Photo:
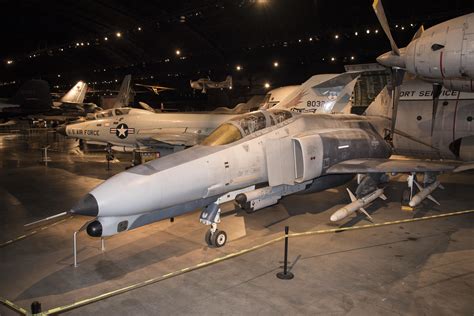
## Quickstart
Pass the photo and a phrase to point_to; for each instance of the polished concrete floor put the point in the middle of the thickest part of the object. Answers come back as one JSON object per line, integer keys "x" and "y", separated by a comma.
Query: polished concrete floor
{"x": 420, "y": 268}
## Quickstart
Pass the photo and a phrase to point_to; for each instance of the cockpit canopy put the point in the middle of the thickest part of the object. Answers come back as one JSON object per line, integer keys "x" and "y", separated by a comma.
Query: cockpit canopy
{"x": 117, "y": 112}
{"x": 244, "y": 125}
{"x": 111, "y": 112}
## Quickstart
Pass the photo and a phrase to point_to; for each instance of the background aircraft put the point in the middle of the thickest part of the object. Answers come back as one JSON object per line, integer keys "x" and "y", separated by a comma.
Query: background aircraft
{"x": 205, "y": 83}
{"x": 126, "y": 129}
{"x": 33, "y": 97}
{"x": 442, "y": 55}
{"x": 154, "y": 88}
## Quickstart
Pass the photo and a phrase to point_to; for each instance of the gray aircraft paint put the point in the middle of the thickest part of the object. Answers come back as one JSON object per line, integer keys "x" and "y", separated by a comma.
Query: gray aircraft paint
{"x": 184, "y": 179}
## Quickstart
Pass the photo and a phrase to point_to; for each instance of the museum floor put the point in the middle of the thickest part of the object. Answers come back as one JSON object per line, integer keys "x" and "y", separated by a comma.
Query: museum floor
{"x": 418, "y": 268}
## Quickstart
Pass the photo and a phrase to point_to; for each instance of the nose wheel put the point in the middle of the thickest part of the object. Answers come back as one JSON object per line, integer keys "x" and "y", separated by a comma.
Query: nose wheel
{"x": 215, "y": 238}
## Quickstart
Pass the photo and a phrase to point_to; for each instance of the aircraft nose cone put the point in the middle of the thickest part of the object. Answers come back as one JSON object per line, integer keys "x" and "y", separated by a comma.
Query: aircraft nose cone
{"x": 61, "y": 130}
{"x": 86, "y": 206}
{"x": 388, "y": 59}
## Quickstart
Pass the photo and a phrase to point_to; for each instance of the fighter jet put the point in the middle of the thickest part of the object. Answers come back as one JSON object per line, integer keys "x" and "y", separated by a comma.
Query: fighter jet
{"x": 70, "y": 107}
{"x": 442, "y": 55}
{"x": 255, "y": 159}
{"x": 126, "y": 129}
{"x": 74, "y": 99}
{"x": 206, "y": 83}
{"x": 33, "y": 101}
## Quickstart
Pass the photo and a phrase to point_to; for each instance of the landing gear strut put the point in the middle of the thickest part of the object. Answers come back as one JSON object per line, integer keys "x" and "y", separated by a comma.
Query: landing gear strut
{"x": 211, "y": 215}
{"x": 109, "y": 156}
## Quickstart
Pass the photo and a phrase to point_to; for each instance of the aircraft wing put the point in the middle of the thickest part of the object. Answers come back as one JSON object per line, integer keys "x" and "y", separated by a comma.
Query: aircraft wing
{"x": 178, "y": 139}
{"x": 378, "y": 165}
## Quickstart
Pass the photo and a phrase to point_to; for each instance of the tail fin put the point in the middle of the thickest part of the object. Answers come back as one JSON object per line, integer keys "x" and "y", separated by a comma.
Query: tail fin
{"x": 33, "y": 94}
{"x": 228, "y": 80}
{"x": 321, "y": 93}
{"x": 77, "y": 94}
{"x": 123, "y": 96}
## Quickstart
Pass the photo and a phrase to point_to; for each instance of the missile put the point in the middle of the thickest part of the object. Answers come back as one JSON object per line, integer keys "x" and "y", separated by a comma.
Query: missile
{"x": 357, "y": 204}
{"x": 424, "y": 193}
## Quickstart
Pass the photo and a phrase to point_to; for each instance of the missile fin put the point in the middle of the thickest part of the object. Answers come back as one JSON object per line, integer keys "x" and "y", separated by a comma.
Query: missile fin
{"x": 351, "y": 195}
{"x": 433, "y": 199}
{"x": 441, "y": 186}
{"x": 366, "y": 214}
{"x": 417, "y": 185}
{"x": 383, "y": 196}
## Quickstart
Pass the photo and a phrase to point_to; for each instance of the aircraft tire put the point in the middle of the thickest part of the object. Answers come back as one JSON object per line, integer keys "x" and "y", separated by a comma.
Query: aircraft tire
{"x": 207, "y": 238}
{"x": 219, "y": 238}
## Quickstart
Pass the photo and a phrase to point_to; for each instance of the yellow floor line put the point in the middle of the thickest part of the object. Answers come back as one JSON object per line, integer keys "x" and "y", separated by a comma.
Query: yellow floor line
{"x": 31, "y": 233}
{"x": 201, "y": 265}
{"x": 13, "y": 306}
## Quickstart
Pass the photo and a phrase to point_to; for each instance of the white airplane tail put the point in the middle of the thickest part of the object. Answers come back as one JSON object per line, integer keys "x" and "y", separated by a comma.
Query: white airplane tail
{"x": 327, "y": 93}
{"x": 77, "y": 94}
{"x": 123, "y": 96}
{"x": 228, "y": 81}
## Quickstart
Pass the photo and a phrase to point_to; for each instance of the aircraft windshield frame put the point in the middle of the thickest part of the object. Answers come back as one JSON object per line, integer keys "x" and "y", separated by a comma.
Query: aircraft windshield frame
{"x": 244, "y": 125}
{"x": 104, "y": 114}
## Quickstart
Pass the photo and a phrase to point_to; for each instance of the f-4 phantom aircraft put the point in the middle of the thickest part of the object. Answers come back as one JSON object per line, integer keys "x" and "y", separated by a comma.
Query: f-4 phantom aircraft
{"x": 206, "y": 83}
{"x": 255, "y": 159}
{"x": 126, "y": 129}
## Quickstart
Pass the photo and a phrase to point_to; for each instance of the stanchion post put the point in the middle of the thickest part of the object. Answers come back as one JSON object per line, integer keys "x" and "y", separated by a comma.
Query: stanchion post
{"x": 102, "y": 244}
{"x": 75, "y": 249}
{"x": 285, "y": 275}
{"x": 35, "y": 308}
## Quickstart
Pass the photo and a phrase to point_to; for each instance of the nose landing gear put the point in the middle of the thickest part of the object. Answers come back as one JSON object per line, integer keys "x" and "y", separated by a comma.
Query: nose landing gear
{"x": 214, "y": 237}
{"x": 211, "y": 215}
